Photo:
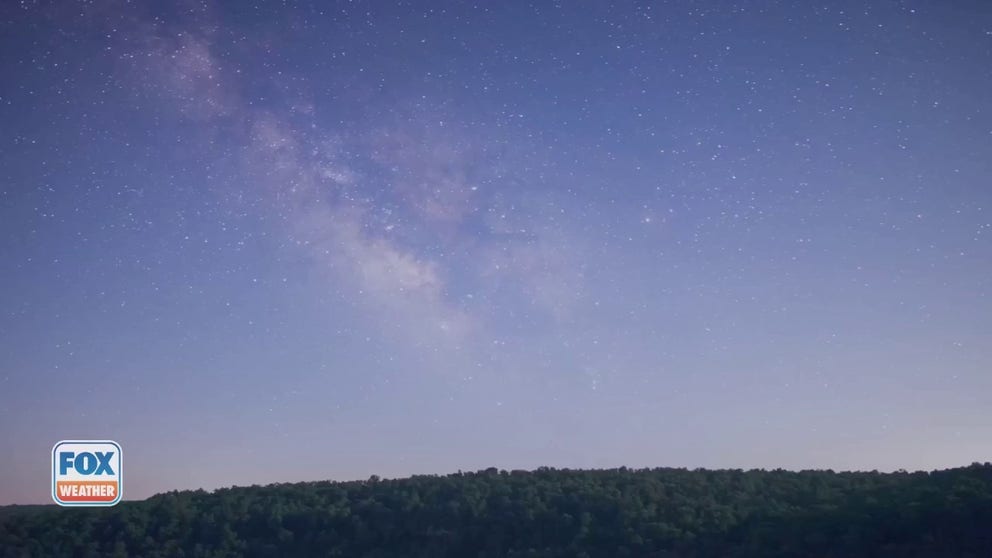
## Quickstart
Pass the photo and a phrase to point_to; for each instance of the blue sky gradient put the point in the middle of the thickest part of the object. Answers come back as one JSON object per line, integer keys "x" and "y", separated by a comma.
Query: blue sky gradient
{"x": 260, "y": 243}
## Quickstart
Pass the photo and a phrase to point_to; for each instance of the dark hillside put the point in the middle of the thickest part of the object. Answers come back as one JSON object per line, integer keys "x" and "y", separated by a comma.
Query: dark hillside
{"x": 548, "y": 512}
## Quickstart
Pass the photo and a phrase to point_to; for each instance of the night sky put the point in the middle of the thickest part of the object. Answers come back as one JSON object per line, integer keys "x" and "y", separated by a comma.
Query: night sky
{"x": 258, "y": 243}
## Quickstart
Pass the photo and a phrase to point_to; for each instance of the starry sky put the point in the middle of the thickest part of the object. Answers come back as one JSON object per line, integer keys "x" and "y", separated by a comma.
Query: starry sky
{"x": 261, "y": 242}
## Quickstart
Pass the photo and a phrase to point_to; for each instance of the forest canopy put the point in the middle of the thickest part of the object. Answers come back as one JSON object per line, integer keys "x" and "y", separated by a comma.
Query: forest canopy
{"x": 542, "y": 513}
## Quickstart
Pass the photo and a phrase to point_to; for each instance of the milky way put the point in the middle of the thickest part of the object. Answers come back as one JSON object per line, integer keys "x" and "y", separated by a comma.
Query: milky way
{"x": 261, "y": 243}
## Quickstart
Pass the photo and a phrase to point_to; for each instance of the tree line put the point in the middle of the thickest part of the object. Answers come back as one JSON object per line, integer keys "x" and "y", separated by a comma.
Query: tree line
{"x": 543, "y": 513}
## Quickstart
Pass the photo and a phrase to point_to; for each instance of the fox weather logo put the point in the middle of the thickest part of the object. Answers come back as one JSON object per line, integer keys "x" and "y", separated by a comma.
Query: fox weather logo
{"x": 87, "y": 473}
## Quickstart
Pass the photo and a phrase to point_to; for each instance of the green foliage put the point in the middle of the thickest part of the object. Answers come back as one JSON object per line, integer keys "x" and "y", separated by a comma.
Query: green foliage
{"x": 545, "y": 513}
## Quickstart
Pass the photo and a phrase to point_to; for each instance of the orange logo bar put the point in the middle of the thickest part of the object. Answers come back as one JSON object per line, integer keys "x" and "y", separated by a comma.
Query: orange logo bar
{"x": 86, "y": 491}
